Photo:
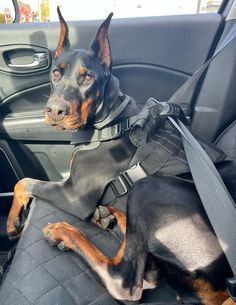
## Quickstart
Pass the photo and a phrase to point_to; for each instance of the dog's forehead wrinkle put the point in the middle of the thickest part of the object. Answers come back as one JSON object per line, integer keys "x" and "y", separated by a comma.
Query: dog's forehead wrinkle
{"x": 87, "y": 60}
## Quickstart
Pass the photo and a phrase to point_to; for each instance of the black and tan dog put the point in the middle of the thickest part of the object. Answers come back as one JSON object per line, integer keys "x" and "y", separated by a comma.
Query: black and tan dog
{"x": 166, "y": 232}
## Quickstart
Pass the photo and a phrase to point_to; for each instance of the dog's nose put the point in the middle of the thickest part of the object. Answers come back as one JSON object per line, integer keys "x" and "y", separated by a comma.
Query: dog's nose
{"x": 57, "y": 111}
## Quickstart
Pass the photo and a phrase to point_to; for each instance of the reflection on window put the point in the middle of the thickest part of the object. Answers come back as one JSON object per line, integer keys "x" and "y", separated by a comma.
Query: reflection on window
{"x": 7, "y": 11}
{"x": 31, "y": 11}
{"x": 45, "y": 10}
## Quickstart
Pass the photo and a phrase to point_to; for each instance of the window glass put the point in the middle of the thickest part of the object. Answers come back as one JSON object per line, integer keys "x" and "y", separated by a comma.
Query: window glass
{"x": 45, "y": 10}
{"x": 7, "y": 11}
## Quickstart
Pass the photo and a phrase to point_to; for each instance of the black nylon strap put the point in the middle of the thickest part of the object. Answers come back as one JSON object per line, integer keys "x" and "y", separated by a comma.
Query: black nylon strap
{"x": 96, "y": 135}
{"x": 114, "y": 114}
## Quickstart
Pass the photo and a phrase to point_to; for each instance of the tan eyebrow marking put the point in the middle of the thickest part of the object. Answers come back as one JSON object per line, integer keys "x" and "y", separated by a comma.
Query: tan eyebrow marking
{"x": 62, "y": 65}
{"x": 82, "y": 70}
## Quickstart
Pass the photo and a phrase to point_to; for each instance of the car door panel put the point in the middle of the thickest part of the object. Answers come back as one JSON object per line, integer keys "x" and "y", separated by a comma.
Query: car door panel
{"x": 152, "y": 56}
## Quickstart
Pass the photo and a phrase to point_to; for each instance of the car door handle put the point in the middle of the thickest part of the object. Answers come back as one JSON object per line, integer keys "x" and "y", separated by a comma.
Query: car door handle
{"x": 40, "y": 60}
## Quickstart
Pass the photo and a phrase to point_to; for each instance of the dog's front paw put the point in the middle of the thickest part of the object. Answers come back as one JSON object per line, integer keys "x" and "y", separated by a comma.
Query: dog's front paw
{"x": 61, "y": 234}
{"x": 103, "y": 217}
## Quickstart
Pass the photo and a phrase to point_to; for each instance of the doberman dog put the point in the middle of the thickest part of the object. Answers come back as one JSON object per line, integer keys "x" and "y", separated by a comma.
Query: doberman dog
{"x": 166, "y": 232}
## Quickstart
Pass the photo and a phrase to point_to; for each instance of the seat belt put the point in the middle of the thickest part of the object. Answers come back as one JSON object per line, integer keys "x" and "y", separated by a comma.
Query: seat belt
{"x": 182, "y": 96}
{"x": 217, "y": 201}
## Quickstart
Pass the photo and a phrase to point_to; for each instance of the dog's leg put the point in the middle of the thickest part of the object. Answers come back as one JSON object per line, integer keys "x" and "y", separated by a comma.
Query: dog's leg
{"x": 208, "y": 295}
{"x": 229, "y": 301}
{"x": 57, "y": 193}
{"x": 122, "y": 275}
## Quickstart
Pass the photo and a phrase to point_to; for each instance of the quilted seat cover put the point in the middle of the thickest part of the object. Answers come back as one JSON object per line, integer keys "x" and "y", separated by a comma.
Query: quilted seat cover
{"x": 44, "y": 275}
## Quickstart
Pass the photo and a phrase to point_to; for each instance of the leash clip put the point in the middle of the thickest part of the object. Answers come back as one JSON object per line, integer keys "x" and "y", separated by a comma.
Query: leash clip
{"x": 231, "y": 287}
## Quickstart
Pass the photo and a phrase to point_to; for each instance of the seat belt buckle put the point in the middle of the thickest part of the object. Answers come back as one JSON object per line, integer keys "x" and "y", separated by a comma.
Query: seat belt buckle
{"x": 231, "y": 287}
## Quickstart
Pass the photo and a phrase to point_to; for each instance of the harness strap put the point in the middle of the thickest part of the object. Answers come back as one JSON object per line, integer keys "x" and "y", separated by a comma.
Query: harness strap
{"x": 95, "y": 135}
{"x": 115, "y": 131}
{"x": 99, "y": 132}
{"x": 148, "y": 166}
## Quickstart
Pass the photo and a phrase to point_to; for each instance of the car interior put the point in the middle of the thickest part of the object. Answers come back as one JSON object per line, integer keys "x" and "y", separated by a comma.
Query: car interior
{"x": 152, "y": 57}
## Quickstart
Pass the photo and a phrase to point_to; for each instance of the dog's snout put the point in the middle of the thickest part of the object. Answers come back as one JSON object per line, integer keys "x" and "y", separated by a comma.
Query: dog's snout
{"x": 57, "y": 111}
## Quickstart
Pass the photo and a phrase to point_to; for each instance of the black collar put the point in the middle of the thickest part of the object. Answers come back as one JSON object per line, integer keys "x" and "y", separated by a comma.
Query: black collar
{"x": 103, "y": 131}
{"x": 114, "y": 114}
{"x": 100, "y": 135}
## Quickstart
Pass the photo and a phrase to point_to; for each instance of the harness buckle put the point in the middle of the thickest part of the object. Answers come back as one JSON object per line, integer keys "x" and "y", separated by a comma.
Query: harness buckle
{"x": 115, "y": 130}
{"x": 126, "y": 179}
{"x": 231, "y": 287}
{"x": 133, "y": 174}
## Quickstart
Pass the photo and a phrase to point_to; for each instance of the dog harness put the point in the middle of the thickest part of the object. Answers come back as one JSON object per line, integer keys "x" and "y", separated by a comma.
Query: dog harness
{"x": 159, "y": 148}
{"x": 158, "y": 142}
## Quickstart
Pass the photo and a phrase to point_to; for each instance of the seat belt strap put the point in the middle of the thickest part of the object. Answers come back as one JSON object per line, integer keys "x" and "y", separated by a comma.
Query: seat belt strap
{"x": 217, "y": 201}
{"x": 183, "y": 95}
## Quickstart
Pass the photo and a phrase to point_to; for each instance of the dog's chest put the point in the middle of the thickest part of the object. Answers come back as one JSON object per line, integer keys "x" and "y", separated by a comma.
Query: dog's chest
{"x": 103, "y": 163}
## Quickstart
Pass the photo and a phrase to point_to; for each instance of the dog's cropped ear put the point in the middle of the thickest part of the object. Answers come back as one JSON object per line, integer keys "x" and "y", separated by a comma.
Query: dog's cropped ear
{"x": 101, "y": 46}
{"x": 63, "y": 42}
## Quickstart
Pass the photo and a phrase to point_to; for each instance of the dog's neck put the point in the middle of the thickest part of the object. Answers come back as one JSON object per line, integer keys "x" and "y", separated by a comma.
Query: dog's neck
{"x": 115, "y": 102}
{"x": 111, "y": 119}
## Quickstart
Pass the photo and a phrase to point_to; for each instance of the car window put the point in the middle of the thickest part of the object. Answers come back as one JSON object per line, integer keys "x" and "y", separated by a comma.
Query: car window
{"x": 45, "y": 10}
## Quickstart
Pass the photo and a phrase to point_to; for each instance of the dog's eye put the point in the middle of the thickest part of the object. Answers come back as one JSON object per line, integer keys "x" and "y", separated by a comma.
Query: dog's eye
{"x": 56, "y": 73}
{"x": 88, "y": 77}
